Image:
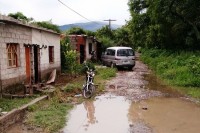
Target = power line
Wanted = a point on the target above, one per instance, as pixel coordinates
(78, 13)
(74, 11)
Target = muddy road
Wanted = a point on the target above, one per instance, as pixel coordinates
(135, 102)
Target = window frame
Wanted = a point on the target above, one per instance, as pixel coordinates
(51, 54)
(12, 55)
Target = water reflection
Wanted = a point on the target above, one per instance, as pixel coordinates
(115, 114)
(107, 114)
(90, 109)
(166, 115)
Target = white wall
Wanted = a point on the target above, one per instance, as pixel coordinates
(45, 38)
(89, 40)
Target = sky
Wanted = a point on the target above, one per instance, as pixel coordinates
(92, 10)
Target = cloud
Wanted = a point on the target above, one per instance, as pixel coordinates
(43, 10)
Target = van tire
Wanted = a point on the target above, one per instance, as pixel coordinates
(130, 68)
(112, 65)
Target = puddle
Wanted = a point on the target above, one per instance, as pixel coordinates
(115, 114)
(107, 114)
(167, 115)
(155, 84)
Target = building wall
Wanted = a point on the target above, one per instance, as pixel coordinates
(45, 38)
(14, 33)
(10, 33)
(88, 41)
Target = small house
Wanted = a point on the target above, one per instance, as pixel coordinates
(27, 53)
(85, 45)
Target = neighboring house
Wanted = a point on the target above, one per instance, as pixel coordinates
(27, 53)
(85, 45)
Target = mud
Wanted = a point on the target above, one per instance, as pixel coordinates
(167, 115)
(132, 84)
(109, 113)
(135, 102)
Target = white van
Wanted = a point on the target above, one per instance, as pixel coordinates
(119, 57)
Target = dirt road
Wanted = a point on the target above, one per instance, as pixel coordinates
(135, 102)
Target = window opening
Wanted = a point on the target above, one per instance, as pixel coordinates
(51, 54)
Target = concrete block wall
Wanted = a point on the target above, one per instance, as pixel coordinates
(13, 31)
(10, 33)
(48, 39)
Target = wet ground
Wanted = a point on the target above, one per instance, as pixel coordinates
(135, 102)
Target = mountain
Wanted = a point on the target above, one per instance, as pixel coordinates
(91, 26)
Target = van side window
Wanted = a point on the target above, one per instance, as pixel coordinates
(110, 52)
(125, 52)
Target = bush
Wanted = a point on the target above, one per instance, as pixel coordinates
(178, 68)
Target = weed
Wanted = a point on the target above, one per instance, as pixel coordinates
(178, 68)
(9, 104)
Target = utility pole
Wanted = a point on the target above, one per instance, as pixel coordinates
(110, 22)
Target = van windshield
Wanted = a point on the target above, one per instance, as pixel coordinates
(125, 52)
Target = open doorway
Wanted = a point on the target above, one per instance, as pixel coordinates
(82, 53)
(37, 74)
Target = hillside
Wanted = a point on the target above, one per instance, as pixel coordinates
(91, 26)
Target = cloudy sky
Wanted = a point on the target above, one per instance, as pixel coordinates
(93, 10)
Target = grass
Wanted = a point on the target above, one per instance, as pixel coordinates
(9, 104)
(104, 74)
(51, 115)
(177, 68)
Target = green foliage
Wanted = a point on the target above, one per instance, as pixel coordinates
(169, 24)
(122, 36)
(72, 88)
(9, 104)
(106, 42)
(106, 73)
(106, 37)
(49, 25)
(104, 32)
(45, 24)
(76, 31)
(50, 115)
(71, 62)
(20, 16)
(177, 68)
(65, 46)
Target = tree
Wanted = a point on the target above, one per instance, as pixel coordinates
(104, 32)
(20, 16)
(122, 36)
(76, 31)
(49, 25)
(188, 12)
(165, 24)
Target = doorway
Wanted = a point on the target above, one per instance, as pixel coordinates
(36, 55)
(82, 53)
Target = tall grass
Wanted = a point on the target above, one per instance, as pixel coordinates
(177, 68)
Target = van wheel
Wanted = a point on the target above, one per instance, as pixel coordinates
(130, 68)
(112, 65)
